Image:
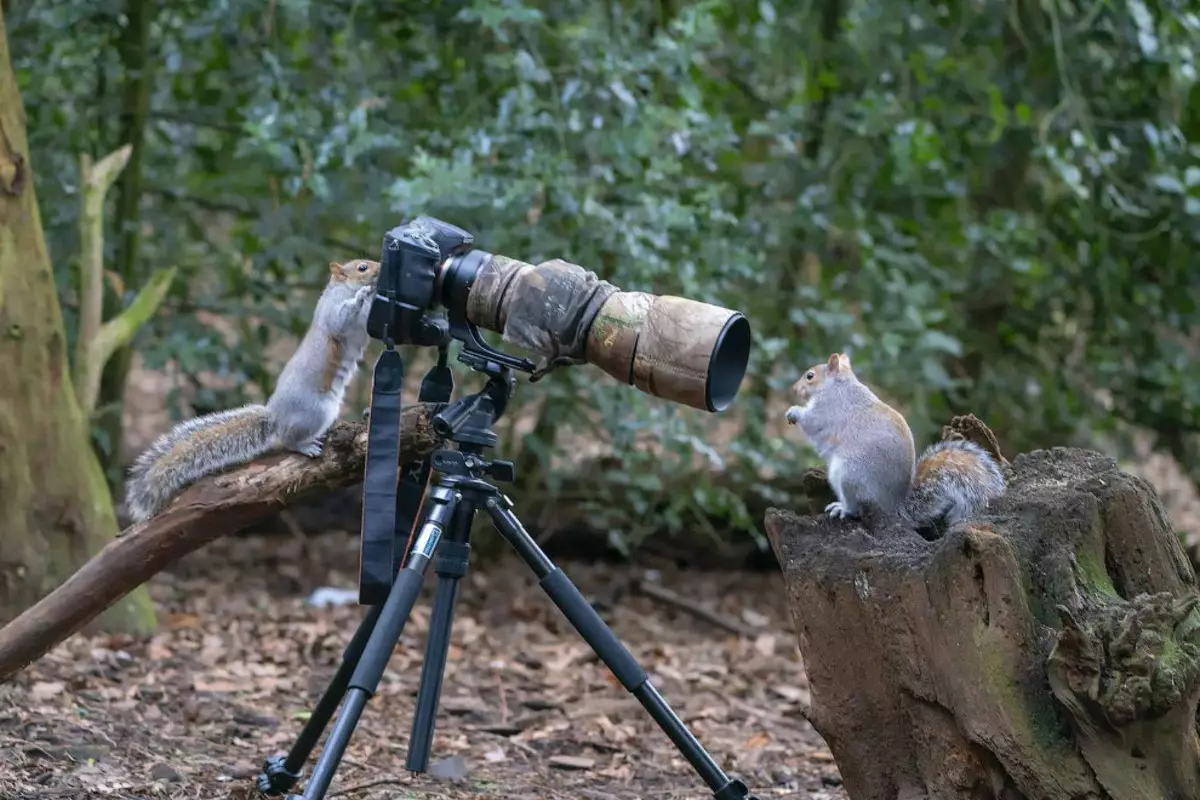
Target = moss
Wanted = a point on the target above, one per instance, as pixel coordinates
(1092, 576)
(1043, 612)
(1032, 715)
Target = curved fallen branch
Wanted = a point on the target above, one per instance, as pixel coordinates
(214, 507)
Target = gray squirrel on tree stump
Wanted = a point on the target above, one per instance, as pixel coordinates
(1047, 648)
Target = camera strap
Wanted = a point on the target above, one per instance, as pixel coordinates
(436, 387)
(380, 479)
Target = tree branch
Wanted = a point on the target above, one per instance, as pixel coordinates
(117, 332)
(96, 179)
(215, 506)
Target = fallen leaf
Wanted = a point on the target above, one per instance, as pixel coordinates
(755, 619)
(758, 740)
(792, 693)
(571, 762)
(45, 690)
(453, 768)
(165, 772)
(216, 685)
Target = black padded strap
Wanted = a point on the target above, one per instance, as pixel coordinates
(436, 387)
(376, 550)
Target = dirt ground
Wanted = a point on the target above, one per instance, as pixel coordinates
(526, 710)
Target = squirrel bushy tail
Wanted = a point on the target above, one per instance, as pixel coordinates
(954, 480)
(213, 442)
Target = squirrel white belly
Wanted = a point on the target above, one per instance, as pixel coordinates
(306, 401)
(870, 456)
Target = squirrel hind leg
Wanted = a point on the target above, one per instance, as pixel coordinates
(841, 510)
(312, 448)
(854, 496)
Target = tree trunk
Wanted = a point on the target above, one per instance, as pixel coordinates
(1049, 649)
(55, 506)
(138, 77)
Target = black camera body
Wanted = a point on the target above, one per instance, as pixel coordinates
(409, 267)
(424, 264)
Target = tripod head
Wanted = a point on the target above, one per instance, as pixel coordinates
(467, 422)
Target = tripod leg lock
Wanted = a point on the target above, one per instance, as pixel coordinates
(276, 779)
(452, 560)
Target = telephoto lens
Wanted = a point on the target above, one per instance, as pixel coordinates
(678, 349)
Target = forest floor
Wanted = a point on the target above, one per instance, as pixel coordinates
(526, 710)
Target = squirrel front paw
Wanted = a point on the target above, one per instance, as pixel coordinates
(312, 449)
(362, 294)
(838, 510)
(793, 415)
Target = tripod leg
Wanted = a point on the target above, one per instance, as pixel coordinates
(395, 613)
(279, 773)
(452, 559)
(614, 654)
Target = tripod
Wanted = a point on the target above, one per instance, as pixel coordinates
(460, 492)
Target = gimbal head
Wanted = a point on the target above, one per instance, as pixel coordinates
(468, 420)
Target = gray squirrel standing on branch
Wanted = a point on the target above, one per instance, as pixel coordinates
(306, 401)
(869, 454)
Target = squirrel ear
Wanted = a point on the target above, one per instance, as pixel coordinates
(845, 359)
(834, 363)
(335, 269)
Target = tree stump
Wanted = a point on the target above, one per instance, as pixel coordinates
(1047, 650)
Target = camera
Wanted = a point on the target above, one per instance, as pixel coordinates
(670, 347)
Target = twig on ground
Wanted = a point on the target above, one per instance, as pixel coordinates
(503, 698)
(755, 711)
(512, 740)
(667, 597)
(389, 781)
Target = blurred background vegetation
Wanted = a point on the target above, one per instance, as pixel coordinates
(994, 206)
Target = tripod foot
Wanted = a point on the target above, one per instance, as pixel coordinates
(734, 790)
(276, 778)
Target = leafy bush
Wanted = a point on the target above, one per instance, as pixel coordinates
(992, 207)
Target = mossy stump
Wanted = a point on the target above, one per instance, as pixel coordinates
(1047, 650)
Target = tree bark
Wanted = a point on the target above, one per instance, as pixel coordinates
(213, 507)
(55, 507)
(1048, 649)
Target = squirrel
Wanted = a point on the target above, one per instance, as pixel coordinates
(869, 453)
(306, 402)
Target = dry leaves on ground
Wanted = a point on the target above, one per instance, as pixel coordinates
(527, 709)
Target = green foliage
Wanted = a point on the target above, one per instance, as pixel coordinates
(992, 207)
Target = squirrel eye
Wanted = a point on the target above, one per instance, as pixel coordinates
(810, 375)
(362, 267)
